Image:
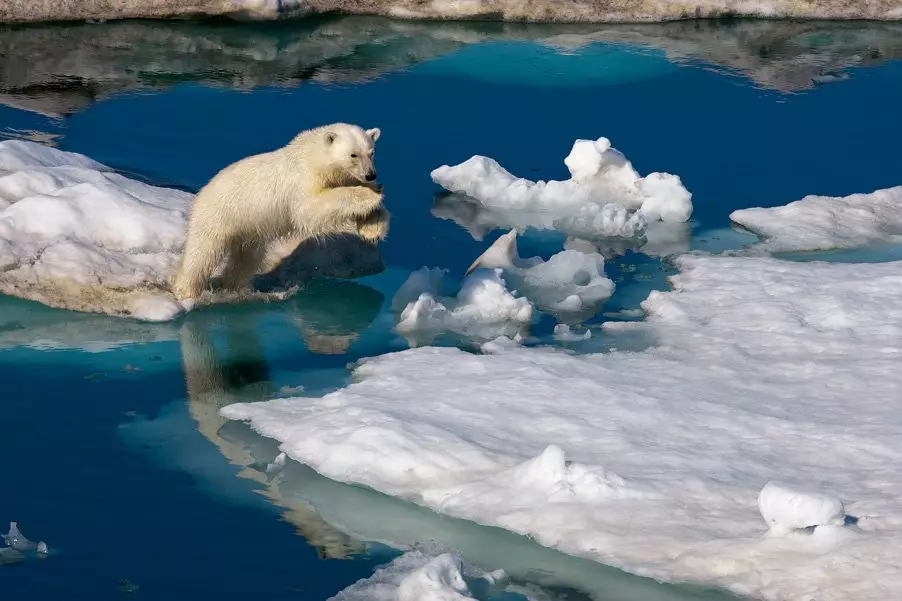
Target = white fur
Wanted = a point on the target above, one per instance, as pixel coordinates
(256, 211)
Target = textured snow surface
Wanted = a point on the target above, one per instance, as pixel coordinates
(77, 235)
(604, 197)
(827, 222)
(772, 382)
(417, 576)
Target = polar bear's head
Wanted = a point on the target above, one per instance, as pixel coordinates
(350, 150)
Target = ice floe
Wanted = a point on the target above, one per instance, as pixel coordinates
(764, 371)
(74, 234)
(827, 222)
(604, 197)
(18, 548)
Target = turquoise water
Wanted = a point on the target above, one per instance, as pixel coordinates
(115, 452)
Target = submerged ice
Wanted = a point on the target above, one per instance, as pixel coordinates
(604, 197)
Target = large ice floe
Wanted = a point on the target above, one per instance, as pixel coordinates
(826, 222)
(604, 197)
(419, 576)
(755, 447)
(75, 234)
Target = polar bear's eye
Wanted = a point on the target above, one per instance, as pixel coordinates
(353, 156)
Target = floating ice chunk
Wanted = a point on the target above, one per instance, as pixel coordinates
(602, 180)
(416, 576)
(569, 282)
(826, 222)
(483, 309)
(564, 333)
(786, 508)
(17, 541)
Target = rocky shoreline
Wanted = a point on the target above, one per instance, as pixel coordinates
(531, 11)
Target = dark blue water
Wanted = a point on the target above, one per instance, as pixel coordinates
(114, 453)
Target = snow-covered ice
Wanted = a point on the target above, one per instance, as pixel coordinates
(483, 309)
(418, 576)
(764, 371)
(604, 197)
(74, 234)
(827, 222)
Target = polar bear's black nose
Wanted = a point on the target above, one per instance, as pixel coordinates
(371, 176)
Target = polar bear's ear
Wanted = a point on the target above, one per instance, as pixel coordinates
(330, 137)
(374, 133)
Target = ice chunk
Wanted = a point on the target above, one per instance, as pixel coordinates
(416, 576)
(604, 196)
(786, 508)
(569, 282)
(564, 333)
(826, 222)
(16, 540)
(483, 309)
(763, 370)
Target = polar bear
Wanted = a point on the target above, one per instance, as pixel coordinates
(259, 209)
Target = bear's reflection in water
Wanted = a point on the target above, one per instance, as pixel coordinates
(341, 520)
(329, 316)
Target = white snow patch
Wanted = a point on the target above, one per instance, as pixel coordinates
(416, 576)
(569, 282)
(605, 197)
(483, 308)
(826, 222)
(786, 508)
(765, 370)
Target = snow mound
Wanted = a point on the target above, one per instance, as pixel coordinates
(415, 576)
(764, 370)
(569, 282)
(826, 222)
(483, 308)
(605, 197)
(76, 235)
(786, 508)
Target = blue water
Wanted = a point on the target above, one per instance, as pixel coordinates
(113, 452)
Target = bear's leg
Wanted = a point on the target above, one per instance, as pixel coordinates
(245, 259)
(347, 202)
(374, 227)
(200, 258)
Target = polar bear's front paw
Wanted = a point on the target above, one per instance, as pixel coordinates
(374, 227)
